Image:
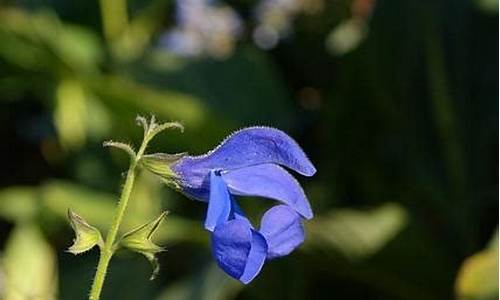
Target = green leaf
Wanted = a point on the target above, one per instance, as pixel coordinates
(18, 203)
(125, 147)
(87, 236)
(29, 265)
(39, 41)
(78, 115)
(139, 240)
(357, 234)
(478, 276)
(70, 114)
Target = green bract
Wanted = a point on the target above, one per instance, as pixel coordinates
(87, 236)
(159, 164)
(139, 240)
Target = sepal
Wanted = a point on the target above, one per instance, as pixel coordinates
(159, 164)
(87, 236)
(139, 240)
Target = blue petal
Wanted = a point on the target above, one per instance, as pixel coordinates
(256, 257)
(269, 181)
(282, 228)
(231, 245)
(219, 204)
(247, 147)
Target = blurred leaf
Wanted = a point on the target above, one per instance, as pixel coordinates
(209, 284)
(98, 119)
(98, 207)
(77, 47)
(18, 203)
(132, 98)
(29, 265)
(478, 276)
(39, 41)
(138, 34)
(78, 115)
(357, 234)
(347, 36)
(489, 6)
(70, 113)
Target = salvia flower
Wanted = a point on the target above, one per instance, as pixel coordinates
(249, 163)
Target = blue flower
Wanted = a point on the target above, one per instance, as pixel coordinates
(241, 251)
(249, 163)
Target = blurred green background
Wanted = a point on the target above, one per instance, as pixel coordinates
(396, 103)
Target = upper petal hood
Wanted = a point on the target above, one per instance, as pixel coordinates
(246, 147)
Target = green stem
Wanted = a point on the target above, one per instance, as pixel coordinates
(108, 250)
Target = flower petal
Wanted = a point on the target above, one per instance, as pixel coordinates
(270, 181)
(256, 257)
(219, 204)
(282, 228)
(231, 245)
(247, 147)
(237, 212)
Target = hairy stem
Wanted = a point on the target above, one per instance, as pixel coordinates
(108, 249)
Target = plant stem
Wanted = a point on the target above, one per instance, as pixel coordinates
(108, 249)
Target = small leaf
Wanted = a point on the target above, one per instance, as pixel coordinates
(143, 122)
(139, 240)
(125, 147)
(87, 236)
(157, 128)
(151, 128)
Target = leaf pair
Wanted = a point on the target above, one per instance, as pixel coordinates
(138, 240)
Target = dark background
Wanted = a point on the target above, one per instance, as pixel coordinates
(402, 126)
